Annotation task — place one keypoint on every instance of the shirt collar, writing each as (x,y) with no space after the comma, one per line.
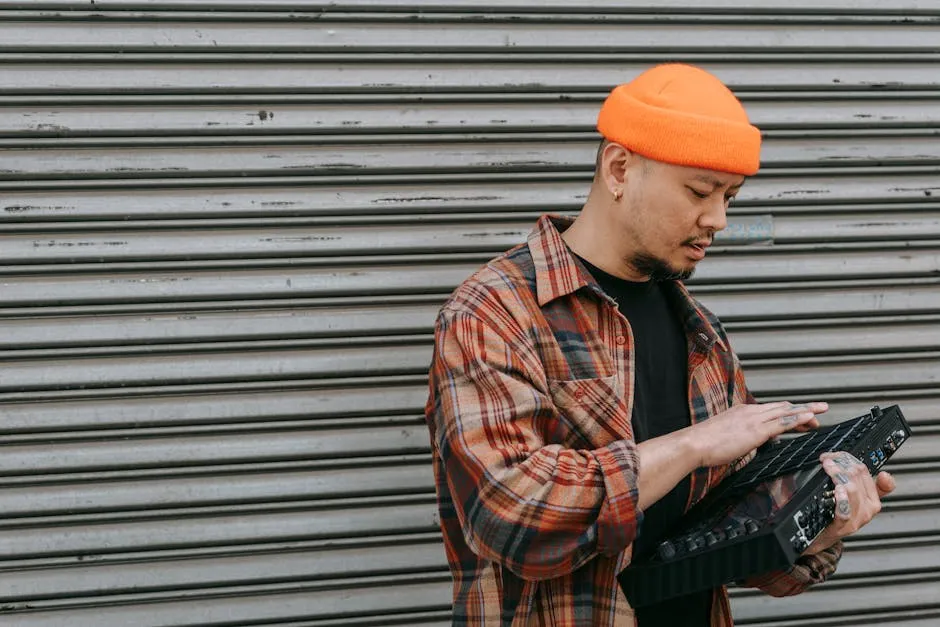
(699,323)
(559,273)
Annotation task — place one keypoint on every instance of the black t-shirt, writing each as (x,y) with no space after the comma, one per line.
(661,406)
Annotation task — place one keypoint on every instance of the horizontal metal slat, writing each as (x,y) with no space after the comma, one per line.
(231,526)
(841,597)
(399,115)
(128,449)
(307,404)
(331,405)
(835,337)
(881,226)
(349,327)
(106,325)
(375,598)
(126,574)
(140,489)
(307,158)
(226,325)
(117,574)
(57,243)
(763,302)
(440,276)
(818,377)
(839,192)
(413,73)
(790,375)
(261,241)
(220,526)
(877,558)
(350,323)
(104,578)
(122,494)
(902,7)
(734,7)
(205,368)
(258,242)
(419,31)
(902,617)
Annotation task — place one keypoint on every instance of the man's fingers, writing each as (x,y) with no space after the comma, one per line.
(843,505)
(817,407)
(885,484)
(792,421)
(772,411)
(777,408)
(809,425)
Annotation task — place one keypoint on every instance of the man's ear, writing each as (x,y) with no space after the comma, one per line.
(615,163)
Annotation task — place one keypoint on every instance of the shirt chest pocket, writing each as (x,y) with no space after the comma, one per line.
(589,413)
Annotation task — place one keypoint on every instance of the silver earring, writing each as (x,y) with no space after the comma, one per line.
(618,194)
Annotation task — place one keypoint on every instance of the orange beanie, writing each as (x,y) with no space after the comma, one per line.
(683,115)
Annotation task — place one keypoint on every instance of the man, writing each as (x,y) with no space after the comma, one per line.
(581,400)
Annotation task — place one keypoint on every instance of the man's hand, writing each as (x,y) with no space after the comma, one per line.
(857,497)
(726,437)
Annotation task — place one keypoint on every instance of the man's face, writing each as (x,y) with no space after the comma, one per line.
(671,214)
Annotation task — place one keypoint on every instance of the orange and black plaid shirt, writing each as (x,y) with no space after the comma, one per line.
(531,395)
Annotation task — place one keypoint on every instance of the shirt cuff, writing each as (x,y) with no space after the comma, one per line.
(619,517)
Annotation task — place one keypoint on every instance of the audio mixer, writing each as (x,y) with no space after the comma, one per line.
(764,516)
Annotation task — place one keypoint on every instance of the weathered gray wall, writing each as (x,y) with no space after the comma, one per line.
(226,227)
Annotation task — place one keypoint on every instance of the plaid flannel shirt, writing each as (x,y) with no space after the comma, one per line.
(531,395)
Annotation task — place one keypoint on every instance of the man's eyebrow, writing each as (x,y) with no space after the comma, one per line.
(714,182)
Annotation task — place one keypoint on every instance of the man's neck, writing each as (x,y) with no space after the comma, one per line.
(591,241)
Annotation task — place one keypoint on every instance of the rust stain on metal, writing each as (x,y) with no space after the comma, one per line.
(434,199)
(305,238)
(52,127)
(495,234)
(326,166)
(802,192)
(28,208)
(58,244)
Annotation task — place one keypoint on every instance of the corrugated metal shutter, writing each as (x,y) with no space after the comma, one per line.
(227,226)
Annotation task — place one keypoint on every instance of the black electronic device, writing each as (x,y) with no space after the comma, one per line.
(761,518)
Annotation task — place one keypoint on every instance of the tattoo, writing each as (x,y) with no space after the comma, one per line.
(846,460)
(841,478)
(845,509)
(788,421)
(842,463)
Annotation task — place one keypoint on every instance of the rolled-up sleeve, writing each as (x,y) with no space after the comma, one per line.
(541,510)
(808,570)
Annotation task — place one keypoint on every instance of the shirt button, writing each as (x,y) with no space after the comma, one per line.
(579,394)
(621,340)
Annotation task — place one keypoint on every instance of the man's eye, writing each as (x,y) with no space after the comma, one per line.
(698,194)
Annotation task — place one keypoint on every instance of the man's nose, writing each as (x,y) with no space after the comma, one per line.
(715,217)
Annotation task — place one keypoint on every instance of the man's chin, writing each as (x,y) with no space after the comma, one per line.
(662,270)
(672,273)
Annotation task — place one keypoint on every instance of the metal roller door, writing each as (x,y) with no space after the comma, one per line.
(226,227)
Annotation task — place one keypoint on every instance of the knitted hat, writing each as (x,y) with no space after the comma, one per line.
(683,115)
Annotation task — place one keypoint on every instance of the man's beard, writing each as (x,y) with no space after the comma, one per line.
(658,270)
